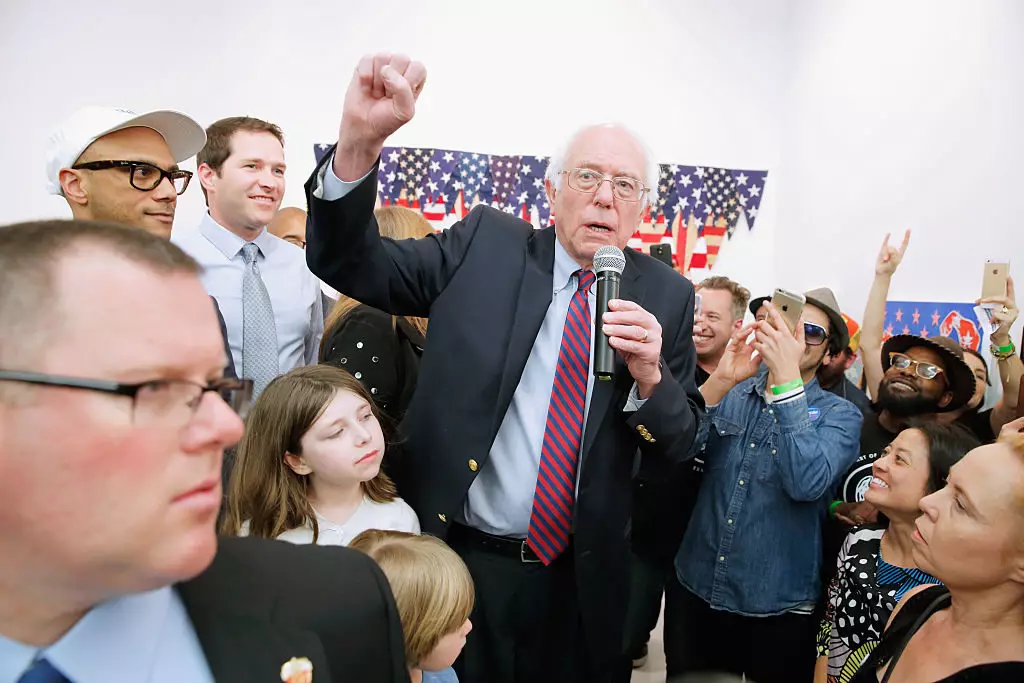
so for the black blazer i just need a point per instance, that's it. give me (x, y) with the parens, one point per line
(486, 283)
(229, 369)
(263, 602)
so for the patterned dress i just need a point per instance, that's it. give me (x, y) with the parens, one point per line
(861, 597)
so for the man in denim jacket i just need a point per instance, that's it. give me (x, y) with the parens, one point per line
(775, 446)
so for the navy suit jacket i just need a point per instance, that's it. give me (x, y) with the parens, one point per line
(486, 284)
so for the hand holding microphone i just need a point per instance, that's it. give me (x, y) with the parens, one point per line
(625, 327)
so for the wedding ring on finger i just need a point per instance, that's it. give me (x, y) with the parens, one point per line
(1004, 310)
(643, 338)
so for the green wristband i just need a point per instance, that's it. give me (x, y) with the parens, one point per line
(1009, 348)
(832, 508)
(779, 389)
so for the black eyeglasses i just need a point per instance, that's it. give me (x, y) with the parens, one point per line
(921, 369)
(814, 335)
(157, 401)
(143, 176)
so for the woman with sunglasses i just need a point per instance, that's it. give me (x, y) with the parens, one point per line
(876, 567)
(971, 538)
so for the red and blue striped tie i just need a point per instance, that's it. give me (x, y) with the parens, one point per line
(551, 520)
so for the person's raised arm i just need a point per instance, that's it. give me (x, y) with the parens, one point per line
(381, 99)
(1010, 366)
(889, 259)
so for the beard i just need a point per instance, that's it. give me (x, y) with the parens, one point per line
(905, 404)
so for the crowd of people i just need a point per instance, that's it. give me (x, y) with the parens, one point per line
(394, 463)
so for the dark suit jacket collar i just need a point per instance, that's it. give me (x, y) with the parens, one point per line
(241, 642)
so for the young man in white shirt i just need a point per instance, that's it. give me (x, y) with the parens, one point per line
(270, 300)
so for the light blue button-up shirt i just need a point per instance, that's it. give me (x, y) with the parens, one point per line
(294, 290)
(142, 638)
(500, 500)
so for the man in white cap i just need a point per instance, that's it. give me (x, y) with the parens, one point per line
(117, 165)
(112, 164)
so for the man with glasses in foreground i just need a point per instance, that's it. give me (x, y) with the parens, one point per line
(775, 446)
(113, 164)
(514, 453)
(112, 430)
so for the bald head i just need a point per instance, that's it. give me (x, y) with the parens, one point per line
(290, 225)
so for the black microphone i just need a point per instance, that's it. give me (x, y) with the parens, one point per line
(609, 263)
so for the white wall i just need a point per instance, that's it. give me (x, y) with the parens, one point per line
(699, 80)
(871, 115)
(903, 114)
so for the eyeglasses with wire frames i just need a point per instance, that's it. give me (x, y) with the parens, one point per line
(921, 369)
(142, 175)
(157, 401)
(623, 187)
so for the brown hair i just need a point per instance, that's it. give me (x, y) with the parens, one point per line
(30, 256)
(432, 587)
(393, 222)
(218, 140)
(264, 490)
(740, 294)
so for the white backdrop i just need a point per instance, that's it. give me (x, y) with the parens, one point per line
(871, 115)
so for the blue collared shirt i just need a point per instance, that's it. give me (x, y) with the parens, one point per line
(753, 545)
(294, 290)
(142, 638)
(500, 499)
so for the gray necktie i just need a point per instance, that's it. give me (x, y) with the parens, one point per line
(259, 333)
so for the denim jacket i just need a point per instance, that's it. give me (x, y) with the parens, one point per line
(753, 545)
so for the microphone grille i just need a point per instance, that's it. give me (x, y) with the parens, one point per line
(609, 258)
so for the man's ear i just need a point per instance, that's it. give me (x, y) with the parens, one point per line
(207, 176)
(549, 190)
(945, 399)
(75, 187)
(297, 464)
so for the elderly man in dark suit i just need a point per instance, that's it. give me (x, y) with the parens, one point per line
(112, 428)
(515, 454)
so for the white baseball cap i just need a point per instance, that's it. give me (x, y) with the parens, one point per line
(183, 135)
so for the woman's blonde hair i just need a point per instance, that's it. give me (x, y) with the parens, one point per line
(393, 222)
(266, 492)
(432, 586)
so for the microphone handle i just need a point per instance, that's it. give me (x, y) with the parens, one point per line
(604, 354)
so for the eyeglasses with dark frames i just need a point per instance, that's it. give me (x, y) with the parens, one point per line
(623, 187)
(142, 175)
(159, 400)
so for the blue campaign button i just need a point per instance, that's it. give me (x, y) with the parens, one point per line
(813, 413)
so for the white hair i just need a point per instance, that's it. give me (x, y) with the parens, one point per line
(652, 171)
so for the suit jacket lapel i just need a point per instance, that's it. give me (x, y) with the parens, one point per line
(246, 647)
(601, 399)
(535, 293)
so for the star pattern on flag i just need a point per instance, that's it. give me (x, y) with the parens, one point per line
(416, 164)
(389, 186)
(958, 321)
(475, 178)
(721, 198)
(432, 181)
(529, 189)
(504, 172)
(689, 187)
(749, 187)
(441, 176)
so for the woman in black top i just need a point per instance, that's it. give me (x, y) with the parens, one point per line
(380, 350)
(970, 537)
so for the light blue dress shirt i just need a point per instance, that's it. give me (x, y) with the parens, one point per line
(294, 291)
(500, 500)
(142, 638)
